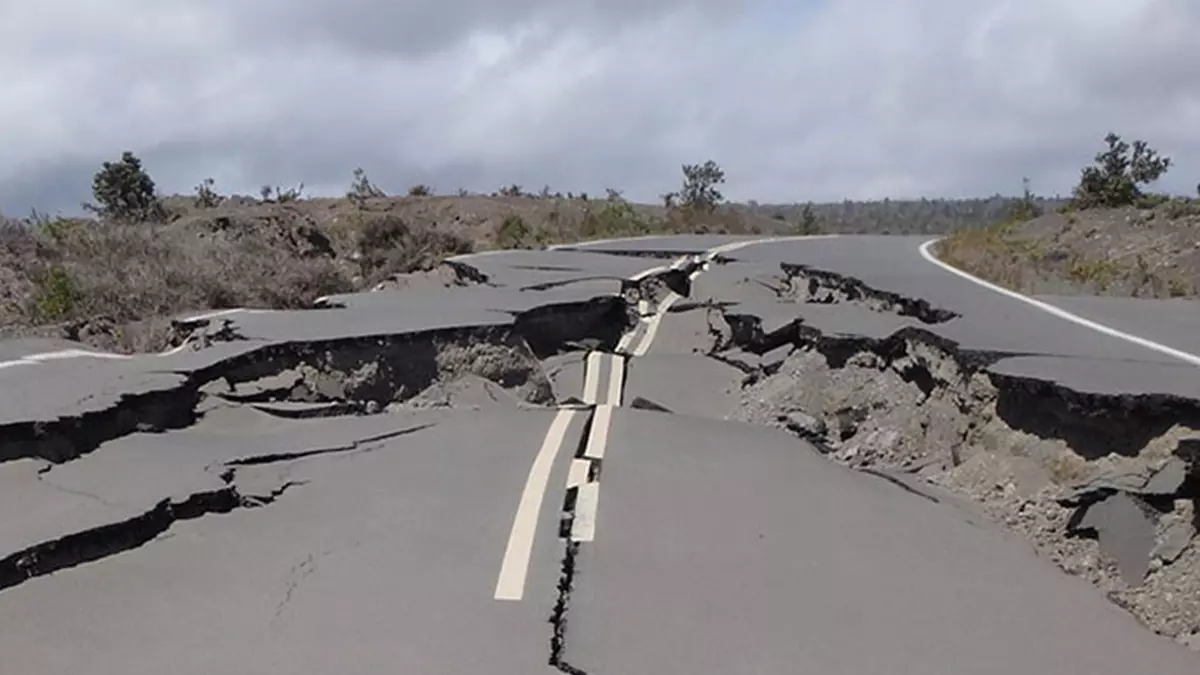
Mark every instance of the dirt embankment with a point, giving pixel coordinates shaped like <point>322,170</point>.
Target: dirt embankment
<point>1107,486</point>
<point>116,286</point>
<point>1131,252</point>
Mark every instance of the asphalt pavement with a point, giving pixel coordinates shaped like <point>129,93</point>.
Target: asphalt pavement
<point>158,524</point>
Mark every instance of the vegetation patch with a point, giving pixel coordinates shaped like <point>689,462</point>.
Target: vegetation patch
<point>1111,238</point>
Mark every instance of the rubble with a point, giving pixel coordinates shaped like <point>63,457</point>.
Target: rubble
<point>811,285</point>
<point>913,408</point>
<point>1058,466</point>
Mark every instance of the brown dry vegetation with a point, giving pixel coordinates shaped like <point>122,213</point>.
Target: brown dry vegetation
<point>116,285</point>
<point>1152,251</point>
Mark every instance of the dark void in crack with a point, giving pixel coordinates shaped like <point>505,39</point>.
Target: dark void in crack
<point>113,538</point>
<point>558,618</point>
<point>821,286</point>
<point>360,444</point>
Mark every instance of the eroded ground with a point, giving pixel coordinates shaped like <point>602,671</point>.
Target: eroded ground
<point>692,454</point>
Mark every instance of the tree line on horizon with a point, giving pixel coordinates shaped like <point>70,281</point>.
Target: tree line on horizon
<point>124,191</point>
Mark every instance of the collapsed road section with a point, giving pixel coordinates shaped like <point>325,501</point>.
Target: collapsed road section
<point>802,448</point>
<point>1049,431</point>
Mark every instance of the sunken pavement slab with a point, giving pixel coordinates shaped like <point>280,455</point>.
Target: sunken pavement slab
<point>606,457</point>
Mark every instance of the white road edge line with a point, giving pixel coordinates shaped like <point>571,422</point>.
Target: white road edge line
<point>1187,357</point>
<point>214,314</point>
<point>595,242</point>
<point>513,570</point>
<point>650,272</point>
<point>60,355</point>
<point>72,353</point>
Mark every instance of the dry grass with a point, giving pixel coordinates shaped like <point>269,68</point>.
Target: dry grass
<point>92,280</point>
<point>117,285</point>
<point>1148,252</point>
<point>994,253</point>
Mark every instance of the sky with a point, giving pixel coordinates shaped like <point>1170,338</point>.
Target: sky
<point>797,100</point>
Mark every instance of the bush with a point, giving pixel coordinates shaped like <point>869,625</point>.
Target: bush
<point>699,192</point>
<point>362,189</point>
<point>125,192</point>
<point>57,295</point>
<point>1114,180</point>
<point>616,218</point>
<point>420,190</point>
<point>808,222</point>
<point>206,197</point>
<point>277,195</point>
<point>59,229</point>
<point>1027,207</point>
<point>1180,207</point>
<point>514,233</point>
<point>388,246</point>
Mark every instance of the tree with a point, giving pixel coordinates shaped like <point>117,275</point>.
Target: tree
<point>1115,178</point>
<point>276,194</point>
<point>1027,208</point>
<point>206,197</point>
<point>808,221</point>
<point>361,188</point>
<point>420,190</point>
<point>699,192</point>
<point>124,191</point>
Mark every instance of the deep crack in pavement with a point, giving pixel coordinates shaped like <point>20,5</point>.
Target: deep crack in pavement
<point>1085,446</point>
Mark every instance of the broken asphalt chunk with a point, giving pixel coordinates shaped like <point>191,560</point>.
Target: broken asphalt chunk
<point>1125,529</point>
<point>1162,479</point>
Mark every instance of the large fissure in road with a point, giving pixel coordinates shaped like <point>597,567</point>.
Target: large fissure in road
<point>1043,459</point>
<point>110,539</point>
<point>364,373</point>
<point>912,407</point>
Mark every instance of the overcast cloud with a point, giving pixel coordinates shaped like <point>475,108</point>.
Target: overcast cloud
<point>797,100</point>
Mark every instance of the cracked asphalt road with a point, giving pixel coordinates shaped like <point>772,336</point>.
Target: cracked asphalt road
<point>534,470</point>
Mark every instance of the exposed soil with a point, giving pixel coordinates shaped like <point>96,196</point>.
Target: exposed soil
<point>1153,253</point>
<point>1031,456</point>
<point>1037,458</point>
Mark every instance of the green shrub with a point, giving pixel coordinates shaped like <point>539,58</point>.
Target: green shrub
<point>808,221</point>
<point>57,295</point>
<point>206,197</point>
<point>1114,180</point>
<point>1178,288</point>
<point>277,195</point>
<point>699,192</point>
<point>1180,208</point>
<point>615,218</point>
<point>514,233</point>
<point>125,192</point>
<point>361,188</point>
<point>387,245</point>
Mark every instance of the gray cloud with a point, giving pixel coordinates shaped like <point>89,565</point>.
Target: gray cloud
<point>842,98</point>
<point>414,27</point>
